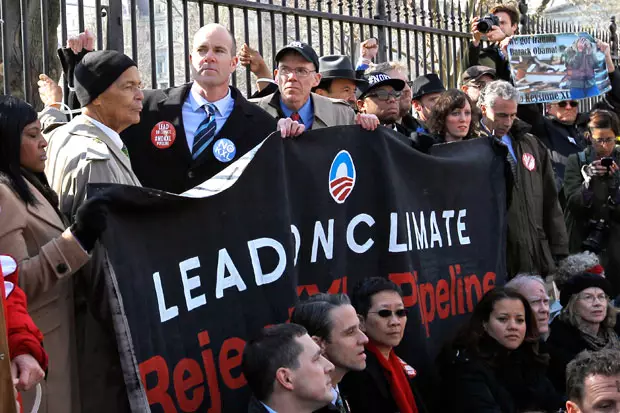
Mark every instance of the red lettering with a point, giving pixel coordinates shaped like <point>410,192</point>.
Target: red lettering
<point>472,281</point>
<point>488,282</point>
<point>159,393</point>
<point>313,289</point>
<point>427,301</point>
<point>442,297</point>
<point>183,384</point>
<point>401,278</point>
<point>209,366</point>
<point>227,362</point>
<point>452,290</point>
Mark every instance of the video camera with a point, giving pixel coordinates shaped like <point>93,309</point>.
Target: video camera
<point>486,23</point>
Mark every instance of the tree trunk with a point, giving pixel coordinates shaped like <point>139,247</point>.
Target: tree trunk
<point>34,43</point>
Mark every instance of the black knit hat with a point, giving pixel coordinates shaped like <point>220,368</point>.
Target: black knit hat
<point>97,71</point>
<point>578,283</point>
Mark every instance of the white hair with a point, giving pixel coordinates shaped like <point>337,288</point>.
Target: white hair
<point>522,279</point>
<point>497,89</point>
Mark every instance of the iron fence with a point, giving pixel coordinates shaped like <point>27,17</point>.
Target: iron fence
<point>425,35</point>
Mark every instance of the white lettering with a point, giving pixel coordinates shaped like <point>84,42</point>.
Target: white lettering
<point>327,242</point>
<point>435,234</point>
<point>192,283</point>
<point>224,263</point>
<point>260,277</point>
<point>394,245</point>
<point>353,245</point>
<point>165,314</point>
<point>461,228</point>
<point>447,215</point>
<point>420,233</point>
<point>297,238</point>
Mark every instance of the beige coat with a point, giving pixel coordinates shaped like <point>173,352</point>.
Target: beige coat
<point>80,153</point>
<point>47,255</point>
<point>327,111</point>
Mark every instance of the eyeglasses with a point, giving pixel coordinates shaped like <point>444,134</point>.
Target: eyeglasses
<point>385,313</point>
<point>589,298</point>
<point>299,71</point>
<point>605,141</point>
<point>572,103</point>
<point>478,84</point>
<point>384,95</point>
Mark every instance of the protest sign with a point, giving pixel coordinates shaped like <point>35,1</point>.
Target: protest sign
<point>197,277</point>
<point>555,67</point>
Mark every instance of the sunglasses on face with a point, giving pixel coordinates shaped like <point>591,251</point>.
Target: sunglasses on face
<point>388,313</point>
<point>385,95</point>
<point>572,104</point>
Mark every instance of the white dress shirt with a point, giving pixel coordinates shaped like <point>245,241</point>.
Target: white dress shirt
<point>109,132</point>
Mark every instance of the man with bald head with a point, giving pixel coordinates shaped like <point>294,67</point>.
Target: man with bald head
<point>191,132</point>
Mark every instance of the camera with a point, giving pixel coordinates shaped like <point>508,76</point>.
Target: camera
<point>486,23</point>
<point>607,162</point>
<point>598,236</point>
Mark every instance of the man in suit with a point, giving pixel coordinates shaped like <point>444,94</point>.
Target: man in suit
<point>286,371</point>
<point>89,150</point>
<point>333,324</point>
<point>190,133</point>
<point>296,75</point>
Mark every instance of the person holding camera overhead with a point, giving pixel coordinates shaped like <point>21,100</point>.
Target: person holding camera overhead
<point>502,22</point>
<point>591,183</point>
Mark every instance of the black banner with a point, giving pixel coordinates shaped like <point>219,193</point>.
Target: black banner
<point>197,277</point>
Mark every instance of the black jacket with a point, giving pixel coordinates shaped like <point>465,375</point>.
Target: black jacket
<point>368,391</point>
<point>486,56</point>
<point>514,383</point>
<point>173,169</point>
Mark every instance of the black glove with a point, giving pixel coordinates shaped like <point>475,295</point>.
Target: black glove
<point>90,222</point>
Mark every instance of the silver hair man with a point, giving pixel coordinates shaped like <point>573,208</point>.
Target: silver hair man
<point>498,103</point>
<point>533,288</point>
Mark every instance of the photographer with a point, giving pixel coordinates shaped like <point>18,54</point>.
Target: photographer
<point>501,23</point>
<point>591,186</point>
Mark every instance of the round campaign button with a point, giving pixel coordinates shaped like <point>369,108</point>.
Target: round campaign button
<point>163,135</point>
<point>529,161</point>
<point>224,150</point>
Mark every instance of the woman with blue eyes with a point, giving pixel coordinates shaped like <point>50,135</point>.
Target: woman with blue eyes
<point>454,117</point>
<point>388,384</point>
<point>586,322</point>
<point>494,365</point>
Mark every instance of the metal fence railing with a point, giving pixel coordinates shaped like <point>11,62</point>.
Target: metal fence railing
<point>425,35</point>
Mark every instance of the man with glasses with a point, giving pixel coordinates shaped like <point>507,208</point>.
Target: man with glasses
<point>294,102</point>
<point>382,98</point>
<point>475,79</point>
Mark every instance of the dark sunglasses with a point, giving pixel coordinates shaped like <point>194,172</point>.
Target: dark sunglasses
<point>572,104</point>
<point>385,95</point>
<point>388,313</point>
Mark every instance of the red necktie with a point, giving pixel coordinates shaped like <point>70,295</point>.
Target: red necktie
<point>295,116</point>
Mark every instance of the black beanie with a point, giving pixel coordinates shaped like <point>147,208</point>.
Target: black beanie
<point>97,71</point>
<point>580,282</point>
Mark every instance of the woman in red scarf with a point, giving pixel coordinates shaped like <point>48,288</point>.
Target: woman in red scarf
<point>386,385</point>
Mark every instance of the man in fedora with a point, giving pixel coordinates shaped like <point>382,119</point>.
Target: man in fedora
<point>425,90</point>
<point>338,80</point>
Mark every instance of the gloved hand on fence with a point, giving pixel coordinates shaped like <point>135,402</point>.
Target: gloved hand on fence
<point>90,222</point>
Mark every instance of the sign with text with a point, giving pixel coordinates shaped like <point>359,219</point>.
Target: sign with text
<point>197,277</point>
<point>556,67</point>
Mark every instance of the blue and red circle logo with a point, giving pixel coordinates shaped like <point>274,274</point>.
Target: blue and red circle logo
<point>341,177</point>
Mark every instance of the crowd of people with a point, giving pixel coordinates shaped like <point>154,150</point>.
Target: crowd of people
<point>521,350</point>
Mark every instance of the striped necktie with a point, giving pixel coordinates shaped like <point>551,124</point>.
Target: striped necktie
<point>205,132</point>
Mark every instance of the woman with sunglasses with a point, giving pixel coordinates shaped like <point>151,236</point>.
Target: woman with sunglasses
<point>454,117</point>
<point>494,364</point>
<point>388,384</point>
<point>591,184</point>
<point>586,322</point>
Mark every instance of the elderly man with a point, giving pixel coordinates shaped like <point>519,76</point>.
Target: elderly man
<point>89,150</point>
<point>338,79</point>
<point>593,382</point>
<point>333,324</point>
<point>474,79</point>
<point>296,75</point>
<point>286,371</point>
<point>532,287</point>
<point>536,231</point>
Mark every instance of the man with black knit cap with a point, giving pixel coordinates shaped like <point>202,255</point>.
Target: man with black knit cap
<point>89,150</point>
